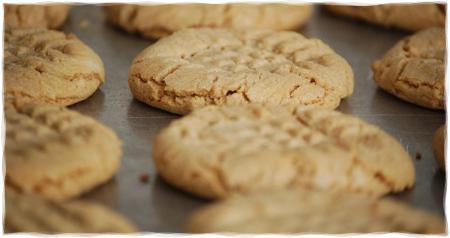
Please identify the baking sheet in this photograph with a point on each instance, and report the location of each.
(156, 206)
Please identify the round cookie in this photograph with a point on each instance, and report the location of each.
(160, 20)
(410, 17)
(49, 67)
(306, 211)
(414, 69)
(28, 213)
(216, 151)
(57, 153)
(197, 67)
(439, 146)
(50, 16)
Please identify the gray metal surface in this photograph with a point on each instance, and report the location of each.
(155, 206)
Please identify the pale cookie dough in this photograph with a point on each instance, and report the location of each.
(57, 153)
(198, 67)
(217, 151)
(410, 17)
(306, 211)
(50, 16)
(49, 67)
(414, 69)
(160, 20)
(439, 146)
(28, 213)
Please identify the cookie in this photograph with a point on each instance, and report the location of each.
(28, 213)
(414, 69)
(306, 211)
(48, 67)
(409, 17)
(155, 21)
(439, 146)
(197, 67)
(50, 16)
(216, 151)
(57, 153)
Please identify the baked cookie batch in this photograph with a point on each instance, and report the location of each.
(260, 133)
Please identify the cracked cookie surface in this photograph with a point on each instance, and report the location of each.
(28, 213)
(410, 17)
(49, 67)
(216, 151)
(414, 69)
(57, 153)
(439, 146)
(307, 211)
(50, 16)
(197, 67)
(160, 20)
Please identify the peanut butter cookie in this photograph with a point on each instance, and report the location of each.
(48, 67)
(197, 67)
(307, 211)
(50, 16)
(28, 213)
(414, 69)
(439, 146)
(219, 150)
(160, 20)
(410, 17)
(57, 153)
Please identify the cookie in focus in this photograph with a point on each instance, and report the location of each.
(194, 68)
(414, 69)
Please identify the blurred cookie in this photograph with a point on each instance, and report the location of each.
(439, 146)
(49, 67)
(28, 213)
(410, 17)
(306, 211)
(198, 67)
(216, 151)
(57, 153)
(50, 16)
(155, 21)
(414, 69)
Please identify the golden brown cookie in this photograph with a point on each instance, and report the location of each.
(57, 153)
(50, 16)
(155, 21)
(28, 213)
(49, 67)
(410, 17)
(439, 146)
(216, 151)
(307, 211)
(194, 68)
(414, 69)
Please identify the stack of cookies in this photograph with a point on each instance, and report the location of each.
(259, 132)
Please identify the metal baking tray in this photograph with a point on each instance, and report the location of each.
(155, 206)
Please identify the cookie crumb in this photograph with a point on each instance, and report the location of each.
(418, 156)
(84, 24)
(144, 178)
